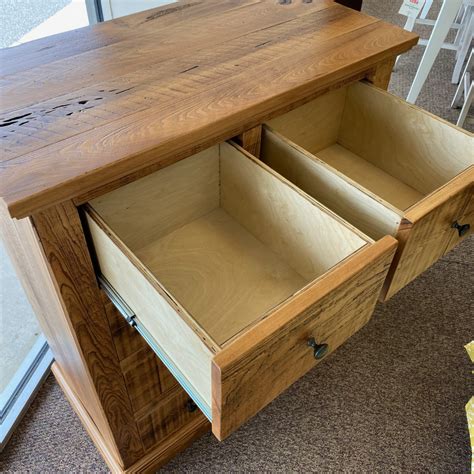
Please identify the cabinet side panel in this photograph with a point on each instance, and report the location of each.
(24, 249)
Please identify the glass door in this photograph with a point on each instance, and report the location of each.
(25, 358)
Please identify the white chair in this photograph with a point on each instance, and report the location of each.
(466, 89)
(463, 39)
(450, 11)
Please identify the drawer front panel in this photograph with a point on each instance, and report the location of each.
(426, 234)
(254, 369)
(463, 218)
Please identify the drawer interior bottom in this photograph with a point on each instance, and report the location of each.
(370, 176)
(221, 274)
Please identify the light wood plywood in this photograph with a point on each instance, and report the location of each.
(328, 186)
(222, 238)
(414, 146)
(174, 336)
(315, 125)
(158, 204)
(393, 149)
(311, 239)
(224, 277)
(370, 176)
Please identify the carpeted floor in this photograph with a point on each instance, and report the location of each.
(391, 399)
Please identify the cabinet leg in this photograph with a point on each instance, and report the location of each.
(381, 75)
(251, 140)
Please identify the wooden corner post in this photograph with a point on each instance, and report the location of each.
(381, 74)
(94, 365)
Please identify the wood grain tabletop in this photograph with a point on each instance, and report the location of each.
(84, 108)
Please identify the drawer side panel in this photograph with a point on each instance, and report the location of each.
(171, 333)
(412, 145)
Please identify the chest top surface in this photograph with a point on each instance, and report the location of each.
(90, 106)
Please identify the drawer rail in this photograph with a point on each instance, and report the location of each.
(131, 318)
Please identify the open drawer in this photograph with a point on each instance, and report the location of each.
(238, 280)
(387, 167)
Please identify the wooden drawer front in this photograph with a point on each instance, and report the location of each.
(255, 369)
(386, 166)
(465, 216)
(427, 233)
(204, 255)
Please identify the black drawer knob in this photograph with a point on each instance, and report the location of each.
(320, 350)
(462, 229)
(191, 406)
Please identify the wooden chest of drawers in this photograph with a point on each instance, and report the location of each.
(229, 270)
(203, 201)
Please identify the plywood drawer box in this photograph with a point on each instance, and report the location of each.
(387, 167)
(230, 271)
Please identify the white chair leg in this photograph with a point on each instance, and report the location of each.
(462, 90)
(466, 106)
(463, 49)
(460, 14)
(409, 25)
(446, 17)
(462, 19)
(457, 99)
(426, 9)
(464, 83)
